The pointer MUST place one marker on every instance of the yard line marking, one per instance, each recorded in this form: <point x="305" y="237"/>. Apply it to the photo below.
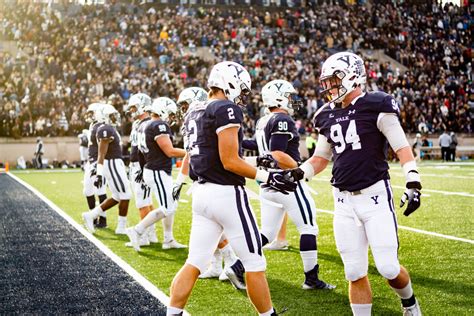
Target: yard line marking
<point x="147" y="285"/>
<point x="416" y="230"/>
<point x="399" y="174"/>
<point x="439" y="191"/>
<point x="322" y="179"/>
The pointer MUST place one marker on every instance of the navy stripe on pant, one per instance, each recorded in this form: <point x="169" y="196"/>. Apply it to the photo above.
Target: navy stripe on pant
<point x="245" y="226"/>
<point x="252" y="221"/>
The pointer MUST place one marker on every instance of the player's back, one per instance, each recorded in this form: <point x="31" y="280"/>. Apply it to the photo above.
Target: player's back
<point x="155" y="158"/>
<point x="205" y="159"/>
<point x="359" y="147"/>
<point x="114" y="151"/>
<point x="134" y="138"/>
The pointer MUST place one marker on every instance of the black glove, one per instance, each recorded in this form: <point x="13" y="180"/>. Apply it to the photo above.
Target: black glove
<point x="412" y="194"/>
<point x="93" y="170"/>
<point x="99" y="181"/>
<point x="267" y="162"/>
<point x="177" y="190"/>
<point x="144" y="186"/>
<point x="297" y="174"/>
<point x="280" y="181"/>
<point x="139" y="176"/>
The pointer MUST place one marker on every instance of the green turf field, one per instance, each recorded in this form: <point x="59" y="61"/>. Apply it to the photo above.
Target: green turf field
<point x="441" y="269"/>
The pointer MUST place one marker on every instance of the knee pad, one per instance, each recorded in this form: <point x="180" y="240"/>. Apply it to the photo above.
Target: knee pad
<point x="389" y="271"/>
<point x="201" y="262"/>
<point x="255" y="264"/>
<point x="354" y="272"/>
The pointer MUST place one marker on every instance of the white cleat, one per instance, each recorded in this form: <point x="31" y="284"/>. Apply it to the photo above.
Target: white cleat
<point x="277" y="245"/>
<point x="173" y="244"/>
<point x="151" y="234"/>
<point x="134" y="238"/>
<point x="88" y="221"/>
<point x="212" y="272"/>
<point x="413" y="310"/>
<point x="143" y="241"/>
<point x="121" y="230"/>
<point x="223" y="276"/>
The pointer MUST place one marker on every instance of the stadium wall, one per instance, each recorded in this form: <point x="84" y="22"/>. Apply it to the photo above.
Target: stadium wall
<point x="67" y="148"/>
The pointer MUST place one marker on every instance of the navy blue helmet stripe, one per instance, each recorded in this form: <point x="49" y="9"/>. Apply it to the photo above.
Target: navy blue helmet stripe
<point x="252" y="221"/>
<point x="245" y="226"/>
<point x="390" y="204"/>
<point x="301" y="207"/>
<point x="308" y="206"/>
<point x="119" y="177"/>
<point x="112" y="175"/>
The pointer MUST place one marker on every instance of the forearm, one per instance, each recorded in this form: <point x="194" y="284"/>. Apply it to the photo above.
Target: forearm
<point x="239" y="166"/>
<point x="103" y="146"/>
<point x="405" y="155"/>
<point x="185" y="165"/>
<point x="284" y="160"/>
<point x="318" y="164"/>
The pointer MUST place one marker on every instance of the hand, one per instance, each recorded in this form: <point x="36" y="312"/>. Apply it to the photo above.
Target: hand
<point x="139" y="176"/>
<point x="99" y="181"/>
<point x="267" y="162"/>
<point x="413" y="196"/>
<point x="281" y="181"/>
<point x="144" y="186"/>
<point x="297" y="174"/>
<point x="177" y="190"/>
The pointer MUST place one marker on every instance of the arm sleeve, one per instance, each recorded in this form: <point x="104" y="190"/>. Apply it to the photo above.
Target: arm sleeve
<point x="104" y="133"/>
<point x="323" y="148"/>
<point x="161" y="129"/>
<point x="249" y="144"/>
<point x="389" y="125"/>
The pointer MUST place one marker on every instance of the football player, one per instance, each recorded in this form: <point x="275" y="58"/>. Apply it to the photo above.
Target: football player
<point x="83" y="147"/>
<point x="192" y="103"/>
<point x="220" y="202"/>
<point x="111" y="167"/>
<point x="276" y="135"/>
<point x="137" y="107"/>
<point x="90" y="168"/>
<point x="355" y="129"/>
<point x="155" y="142"/>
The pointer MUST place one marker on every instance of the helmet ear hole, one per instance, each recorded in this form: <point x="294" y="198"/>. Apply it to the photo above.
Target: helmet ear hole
<point x="231" y="85"/>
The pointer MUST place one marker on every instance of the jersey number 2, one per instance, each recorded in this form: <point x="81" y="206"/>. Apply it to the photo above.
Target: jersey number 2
<point x="351" y="137"/>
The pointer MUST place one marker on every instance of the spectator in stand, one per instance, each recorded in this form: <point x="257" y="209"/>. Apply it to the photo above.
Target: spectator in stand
<point x="445" y="143"/>
<point x="417" y="147"/>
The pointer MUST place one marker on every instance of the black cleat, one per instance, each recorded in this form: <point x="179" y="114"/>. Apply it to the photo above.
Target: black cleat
<point x="312" y="282"/>
<point x="100" y="222"/>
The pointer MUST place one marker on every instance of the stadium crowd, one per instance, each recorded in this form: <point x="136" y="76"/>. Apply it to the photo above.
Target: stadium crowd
<point x="70" y="58"/>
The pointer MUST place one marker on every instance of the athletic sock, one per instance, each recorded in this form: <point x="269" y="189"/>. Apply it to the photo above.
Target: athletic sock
<point x="91" y="202"/>
<point x="122" y="221"/>
<point x="228" y="254"/>
<point x="310" y="259"/>
<point x="96" y="211"/>
<point x="168" y="228"/>
<point x="268" y="313"/>
<point x="151" y="218"/>
<point x="361" y="309"/>
<point x="172" y="311"/>
<point x="102" y="198"/>
<point x="406" y="292"/>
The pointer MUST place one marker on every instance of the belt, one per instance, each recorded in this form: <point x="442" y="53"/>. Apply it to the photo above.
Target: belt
<point x="355" y="192"/>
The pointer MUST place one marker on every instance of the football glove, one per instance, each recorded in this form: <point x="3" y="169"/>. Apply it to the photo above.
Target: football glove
<point x="139" y="176"/>
<point x="280" y="181"/>
<point x="412" y="194"/>
<point x="267" y="162"/>
<point x="93" y="170"/>
<point x="177" y="190"/>
<point x="144" y="186"/>
<point x="297" y="174"/>
<point x="99" y="181"/>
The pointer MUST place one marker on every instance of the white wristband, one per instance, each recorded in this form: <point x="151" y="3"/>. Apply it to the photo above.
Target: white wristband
<point x="308" y="169"/>
<point x="251" y="160"/>
<point x="100" y="169"/>
<point x="180" y="178"/>
<point x="262" y="175"/>
<point x="411" y="176"/>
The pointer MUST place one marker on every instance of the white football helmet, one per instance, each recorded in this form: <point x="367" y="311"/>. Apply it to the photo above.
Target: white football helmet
<point x="341" y="74"/>
<point x="91" y="112"/>
<point x="188" y="96"/>
<point x="163" y="107"/>
<point x="233" y="79"/>
<point x="108" y="115"/>
<point x="280" y="94"/>
<point x="141" y="102"/>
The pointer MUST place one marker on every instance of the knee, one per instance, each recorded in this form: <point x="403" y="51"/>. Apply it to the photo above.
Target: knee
<point x="254" y="264"/>
<point x="389" y="271"/>
<point x="308" y="230"/>
<point x="201" y="262"/>
<point x="354" y="272"/>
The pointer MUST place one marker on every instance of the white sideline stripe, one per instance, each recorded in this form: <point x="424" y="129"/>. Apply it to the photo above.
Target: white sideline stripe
<point x="147" y="285"/>
<point x="416" y="230"/>
<point x="447" y="176"/>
